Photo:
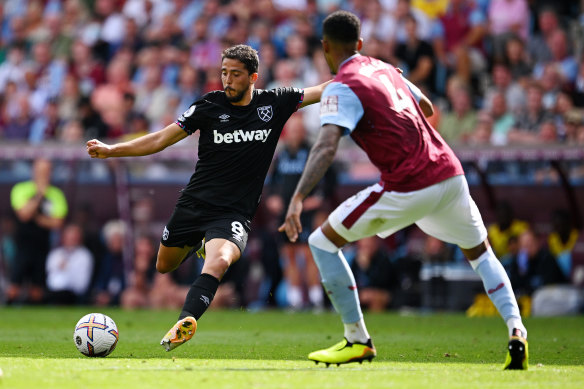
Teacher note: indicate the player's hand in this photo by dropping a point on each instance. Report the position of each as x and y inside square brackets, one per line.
[97, 149]
[292, 225]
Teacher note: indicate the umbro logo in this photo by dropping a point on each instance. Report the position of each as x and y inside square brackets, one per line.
[205, 299]
[165, 233]
[224, 118]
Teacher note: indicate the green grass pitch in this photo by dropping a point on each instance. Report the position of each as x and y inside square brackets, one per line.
[237, 349]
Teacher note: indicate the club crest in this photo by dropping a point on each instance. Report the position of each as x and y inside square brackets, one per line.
[265, 113]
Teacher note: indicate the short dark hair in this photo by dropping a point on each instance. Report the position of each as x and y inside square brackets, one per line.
[245, 54]
[342, 27]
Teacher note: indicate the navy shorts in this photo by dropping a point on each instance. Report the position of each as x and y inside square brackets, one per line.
[189, 224]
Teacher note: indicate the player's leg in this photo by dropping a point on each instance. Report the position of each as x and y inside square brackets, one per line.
[457, 220]
[220, 254]
[355, 218]
[339, 283]
[169, 258]
[225, 240]
[315, 295]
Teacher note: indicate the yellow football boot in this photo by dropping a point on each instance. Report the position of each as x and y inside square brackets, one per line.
[518, 354]
[344, 352]
[180, 333]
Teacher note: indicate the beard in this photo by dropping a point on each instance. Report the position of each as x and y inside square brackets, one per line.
[237, 97]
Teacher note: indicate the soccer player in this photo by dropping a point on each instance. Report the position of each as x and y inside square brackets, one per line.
[239, 128]
[422, 182]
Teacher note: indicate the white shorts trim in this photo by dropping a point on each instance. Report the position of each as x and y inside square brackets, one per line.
[444, 210]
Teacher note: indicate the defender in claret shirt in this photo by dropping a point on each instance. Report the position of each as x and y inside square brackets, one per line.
[422, 182]
[238, 128]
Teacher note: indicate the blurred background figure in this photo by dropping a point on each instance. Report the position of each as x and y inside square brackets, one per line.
[111, 279]
[504, 228]
[562, 240]
[533, 266]
[40, 209]
[139, 292]
[300, 271]
[69, 269]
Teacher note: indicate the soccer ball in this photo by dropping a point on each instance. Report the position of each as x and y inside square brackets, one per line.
[95, 335]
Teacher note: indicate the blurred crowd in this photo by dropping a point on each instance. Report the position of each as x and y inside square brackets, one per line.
[500, 72]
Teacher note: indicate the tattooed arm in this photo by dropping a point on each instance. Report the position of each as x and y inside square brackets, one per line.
[320, 158]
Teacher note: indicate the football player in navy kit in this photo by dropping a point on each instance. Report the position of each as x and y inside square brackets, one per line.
[239, 129]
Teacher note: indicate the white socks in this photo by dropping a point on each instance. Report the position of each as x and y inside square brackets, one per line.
[498, 288]
[356, 332]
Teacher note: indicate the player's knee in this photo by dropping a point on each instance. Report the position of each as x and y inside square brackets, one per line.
[318, 240]
[161, 267]
[217, 266]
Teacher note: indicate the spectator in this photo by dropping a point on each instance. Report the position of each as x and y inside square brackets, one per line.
[517, 59]
[505, 227]
[483, 131]
[139, 293]
[507, 17]
[377, 24]
[299, 266]
[46, 126]
[40, 209]
[69, 268]
[151, 94]
[374, 274]
[12, 69]
[503, 82]
[562, 240]
[528, 121]
[108, 98]
[458, 41]
[533, 267]
[85, 67]
[457, 125]
[561, 58]
[111, 277]
[403, 9]
[547, 22]
[572, 120]
[17, 115]
[416, 57]
[502, 119]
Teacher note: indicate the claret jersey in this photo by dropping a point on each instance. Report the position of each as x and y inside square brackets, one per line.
[379, 109]
[236, 146]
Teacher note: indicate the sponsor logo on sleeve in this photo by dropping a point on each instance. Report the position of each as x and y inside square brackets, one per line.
[329, 105]
[187, 113]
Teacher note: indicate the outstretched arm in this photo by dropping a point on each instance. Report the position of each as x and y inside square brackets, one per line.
[320, 158]
[144, 145]
[312, 94]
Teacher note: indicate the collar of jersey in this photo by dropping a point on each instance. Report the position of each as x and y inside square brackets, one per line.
[347, 60]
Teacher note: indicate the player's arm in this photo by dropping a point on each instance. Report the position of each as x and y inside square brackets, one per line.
[312, 94]
[144, 145]
[426, 106]
[424, 102]
[320, 158]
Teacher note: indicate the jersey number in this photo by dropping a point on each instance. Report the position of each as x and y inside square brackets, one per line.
[238, 230]
[398, 97]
